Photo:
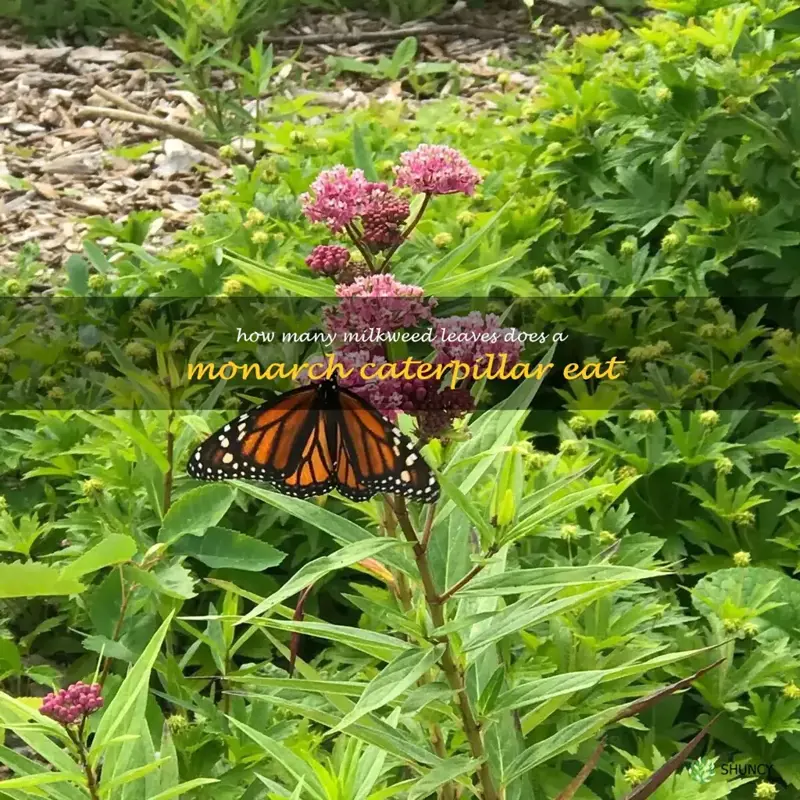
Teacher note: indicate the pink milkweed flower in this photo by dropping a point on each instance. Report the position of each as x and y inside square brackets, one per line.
[436, 169]
[375, 304]
[336, 198]
[72, 704]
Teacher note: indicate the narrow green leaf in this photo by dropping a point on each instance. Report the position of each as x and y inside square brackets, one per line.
[32, 781]
[526, 613]
[394, 679]
[553, 511]
[131, 775]
[283, 756]
[182, 788]
[455, 767]
[520, 581]
[283, 279]
[339, 528]
[453, 285]
[376, 644]
[565, 739]
[125, 711]
[309, 573]
[445, 266]
[362, 156]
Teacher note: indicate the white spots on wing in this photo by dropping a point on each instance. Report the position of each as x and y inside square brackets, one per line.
[242, 426]
[411, 459]
[241, 436]
[197, 456]
[396, 450]
[405, 475]
[227, 458]
[223, 440]
[244, 416]
[226, 428]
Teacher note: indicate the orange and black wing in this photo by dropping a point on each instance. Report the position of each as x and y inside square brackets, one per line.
[373, 456]
[284, 442]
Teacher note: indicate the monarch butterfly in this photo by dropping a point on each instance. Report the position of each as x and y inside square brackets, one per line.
[311, 440]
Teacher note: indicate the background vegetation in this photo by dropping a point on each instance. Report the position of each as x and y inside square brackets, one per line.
[626, 541]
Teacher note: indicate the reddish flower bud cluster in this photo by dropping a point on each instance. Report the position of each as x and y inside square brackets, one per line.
[383, 217]
[72, 704]
[328, 259]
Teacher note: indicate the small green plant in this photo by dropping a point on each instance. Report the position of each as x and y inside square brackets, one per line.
[422, 76]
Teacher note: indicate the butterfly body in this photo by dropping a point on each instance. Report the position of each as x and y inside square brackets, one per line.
[312, 440]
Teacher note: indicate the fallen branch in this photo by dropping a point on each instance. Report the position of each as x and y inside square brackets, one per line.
[118, 101]
[188, 135]
[394, 33]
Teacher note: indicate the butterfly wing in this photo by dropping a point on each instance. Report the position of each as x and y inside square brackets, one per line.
[372, 455]
[284, 442]
[314, 439]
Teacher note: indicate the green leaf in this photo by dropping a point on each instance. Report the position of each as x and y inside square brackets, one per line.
[362, 156]
[529, 523]
[403, 55]
[528, 612]
[124, 713]
[291, 282]
[467, 507]
[172, 580]
[394, 679]
[565, 739]
[97, 257]
[454, 767]
[196, 511]
[182, 788]
[520, 581]
[447, 265]
[542, 689]
[339, 528]
[221, 548]
[453, 285]
[376, 644]
[35, 580]
[131, 775]
[285, 758]
[77, 274]
[314, 570]
[115, 548]
[32, 781]
[116, 424]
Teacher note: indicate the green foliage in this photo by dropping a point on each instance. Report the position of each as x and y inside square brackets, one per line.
[583, 564]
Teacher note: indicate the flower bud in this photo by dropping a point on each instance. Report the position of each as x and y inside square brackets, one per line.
[742, 558]
[443, 239]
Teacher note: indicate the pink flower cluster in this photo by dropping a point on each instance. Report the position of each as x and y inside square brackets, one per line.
[436, 169]
[336, 197]
[376, 301]
[434, 408]
[328, 259]
[471, 338]
[340, 198]
[72, 704]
